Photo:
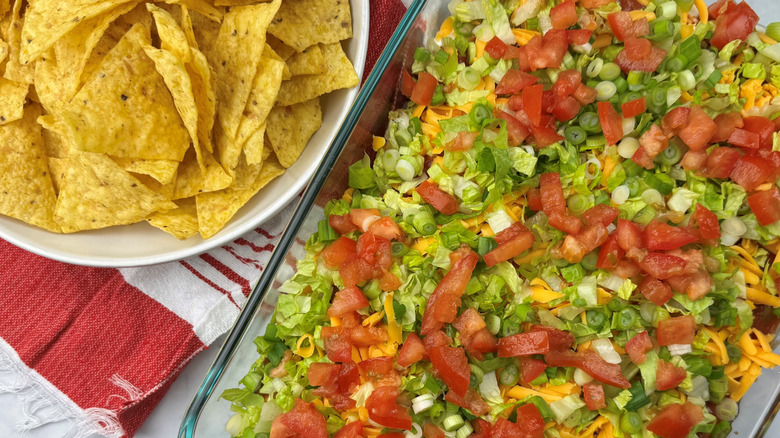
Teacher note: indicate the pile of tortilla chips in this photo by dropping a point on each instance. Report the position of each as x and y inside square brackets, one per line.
[175, 112]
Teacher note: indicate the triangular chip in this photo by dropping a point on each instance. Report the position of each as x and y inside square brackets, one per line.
[97, 193]
[4, 48]
[340, 74]
[57, 169]
[45, 21]
[283, 50]
[303, 23]
[271, 53]
[186, 26]
[234, 2]
[309, 62]
[165, 190]
[264, 90]
[206, 31]
[245, 175]
[289, 129]
[172, 37]
[215, 209]
[204, 90]
[234, 57]
[191, 180]
[143, 122]
[202, 6]
[16, 70]
[12, 97]
[254, 148]
[26, 190]
[53, 131]
[161, 170]
[181, 222]
[228, 149]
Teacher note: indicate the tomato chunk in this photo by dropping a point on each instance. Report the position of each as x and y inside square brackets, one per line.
[629, 235]
[638, 346]
[579, 37]
[600, 214]
[590, 362]
[709, 228]
[530, 369]
[512, 242]
[662, 266]
[736, 23]
[471, 401]
[721, 162]
[453, 368]
[558, 339]
[341, 224]
[353, 429]
[634, 107]
[530, 421]
[610, 253]
[594, 396]
[611, 122]
[524, 344]
[661, 236]
[515, 130]
[532, 103]
[424, 88]
[514, 81]
[653, 141]
[657, 292]
[694, 160]
[668, 376]
[585, 95]
[547, 51]
[552, 193]
[412, 351]
[762, 127]
[438, 198]
[676, 330]
[338, 252]
[545, 136]
[637, 48]
[648, 64]
[566, 109]
[766, 206]
[675, 420]
[347, 300]
[727, 123]
[496, 48]
[469, 322]
[750, 172]
[567, 223]
[383, 409]
[623, 26]
[699, 130]
[444, 301]
[744, 139]
[564, 15]
[304, 420]
[567, 83]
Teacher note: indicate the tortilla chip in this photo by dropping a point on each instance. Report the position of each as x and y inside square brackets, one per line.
[143, 122]
[165, 190]
[26, 190]
[261, 100]
[202, 6]
[14, 69]
[283, 50]
[181, 222]
[245, 174]
[303, 23]
[5, 7]
[235, 56]
[340, 74]
[254, 148]
[191, 180]
[57, 169]
[215, 209]
[177, 79]
[162, 171]
[309, 62]
[289, 129]
[12, 97]
[186, 26]
[3, 51]
[204, 90]
[269, 52]
[97, 193]
[58, 74]
[228, 149]
[206, 31]
[46, 21]
[234, 2]
[172, 37]
[53, 131]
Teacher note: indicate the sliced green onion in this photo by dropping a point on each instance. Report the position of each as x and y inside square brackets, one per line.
[441, 57]
[658, 97]
[631, 422]
[718, 388]
[438, 96]
[532, 23]
[390, 158]
[662, 28]
[575, 135]
[734, 353]
[727, 409]
[479, 113]
[721, 430]
[636, 80]
[652, 197]
[620, 194]
[660, 182]
[422, 403]
[686, 80]
[464, 431]
[468, 78]
[424, 223]
[493, 323]
[627, 147]
[398, 249]
[628, 125]
[594, 68]
[509, 375]
[605, 90]
[666, 10]
[634, 186]
[671, 155]
[713, 79]
[485, 245]
[626, 318]
[690, 49]
[638, 397]
[595, 142]
[596, 319]
[421, 54]
[578, 204]
[589, 261]
[406, 168]
[684, 5]
[609, 72]
[611, 52]
[589, 121]
[773, 31]
[452, 422]
[621, 84]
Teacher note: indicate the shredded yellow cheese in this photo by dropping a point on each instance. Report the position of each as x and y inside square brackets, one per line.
[520, 392]
[308, 350]
[523, 36]
[446, 29]
[393, 329]
[640, 14]
[704, 14]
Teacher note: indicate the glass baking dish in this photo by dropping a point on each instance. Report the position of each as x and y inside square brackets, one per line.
[207, 413]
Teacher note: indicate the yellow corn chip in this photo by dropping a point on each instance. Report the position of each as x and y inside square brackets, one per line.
[172, 37]
[234, 2]
[234, 57]
[186, 26]
[5, 7]
[12, 97]
[228, 149]
[309, 62]
[264, 90]
[269, 52]
[202, 6]
[303, 23]
[215, 209]
[162, 171]
[191, 180]
[205, 30]
[181, 222]
[46, 21]
[3, 50]
[53, 132]
[283, 50]
[97, 193]
[340, 74]
[165, 190]
[143, 121]
[245, 175]
[289, 129]
[203, 88]
[254, 148]
[26, 190]
[16, 70]
[57, 169]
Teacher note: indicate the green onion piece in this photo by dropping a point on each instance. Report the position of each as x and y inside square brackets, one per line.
[479, 113]
[773, 31]
[594, 68]
[390, 159]
[622, 86]
[684, 5]
[690, 49]
[595, 142]
[699, 365]
[464, 431]
[611, 52]
[626, 318]
[634, 186]
[589, 121]
[727, 409]
[630, 422]
[541, 380]
[532, 23]
[631, 168]
[596, 319]
[589, 261]
[609, 72]
[468, 78]
[510, 375]
[606, 90]
[477, 374]
[575, 135]
[407, 168]
[421, 54]
[686, 80]
[485, 245]
[452, 422]
[644, 217]
[630, 96]
[666, 10]
[402, 137]
[325, 232]
[662, 28]
[721, 430]
[660, 182]
[671, 155]
[452, 408]
[714, 78]
[658, 97]
[718, 388]
[638, 397]
[438, 96]
[441, 57]
[616, 304]
[578, 204]
[636, 80]
[493, 323]
[398, 249]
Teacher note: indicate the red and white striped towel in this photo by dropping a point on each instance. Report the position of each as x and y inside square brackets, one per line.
[97, 348]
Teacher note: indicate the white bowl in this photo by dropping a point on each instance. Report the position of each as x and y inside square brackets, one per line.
[141, 244]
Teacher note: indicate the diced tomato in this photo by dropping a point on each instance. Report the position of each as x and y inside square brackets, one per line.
[436, 339]
[453, 367]
[764, 319]
[471, 401]
[590, 362]
[750, 172]
[564, 15]
[481, 342]
[626, 269]
[496, 48]
[438, 198]
[676, 330]
[558, 339]
[585, 95]
[336, 343]
[721, 162]
[654, 290]
[530, 421]
[668, 376]
[610, 253]
[662, 266]
[572, 250]
[699, 130]
[530, 369]
[349, 377]
[545, 136]
[376, 367]
[694, 259]
[675, 420]
[653, 142]
[341, 224]
[566, 109]
[424, 89]
[444, 301]
[638, 346]
[504, 428]
[594, 396]
[611, 122]
[383, 409]
[552, 193]
[407, 84]
[353, 429]
[362, 336]
[339, 251]
[469, 322]
[727, 123]
[524, 344]
[661, 236]
[648, 64]
[304, 420]
[567, 83]
[736, 23]
[695, 285]
[430, 430]
[387, 228]
[593, 236]
[391, 435]
[321, 373]
[709, 228]
[629, 235]
[600, 214]
[375, 250]
[694, 160]
[532, 103]
[515, 130]
[533, 199]
[547, 51]
[637, 48]
[624, 26]
[762, 127]
[634, 107]
[463, 141]
[364, 217]
[744, 139]
[514, 81]
[412, 351]
[579, 37]
[642, 158]
[347, 300]
[675, 120]
[766, 206]
[512, 248]
[716, 8]
[565, 222]
[481, 428]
